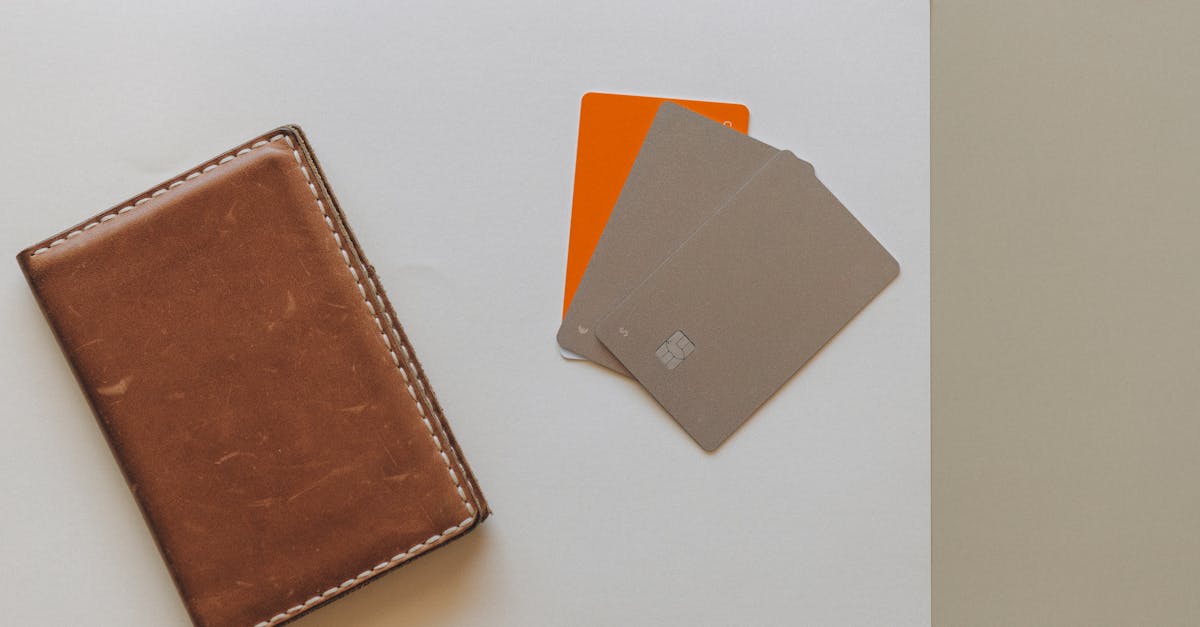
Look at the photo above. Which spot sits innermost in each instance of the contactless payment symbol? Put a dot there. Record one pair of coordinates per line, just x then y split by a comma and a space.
675, 350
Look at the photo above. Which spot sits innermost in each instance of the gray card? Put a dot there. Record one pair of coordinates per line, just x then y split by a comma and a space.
688, 167
747, 300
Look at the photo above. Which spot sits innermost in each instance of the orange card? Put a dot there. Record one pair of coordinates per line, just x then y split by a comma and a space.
611, 130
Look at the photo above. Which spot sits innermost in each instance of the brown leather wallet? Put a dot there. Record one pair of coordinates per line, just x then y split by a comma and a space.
255, 385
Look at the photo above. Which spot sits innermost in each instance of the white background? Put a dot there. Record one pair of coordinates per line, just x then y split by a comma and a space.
448, 132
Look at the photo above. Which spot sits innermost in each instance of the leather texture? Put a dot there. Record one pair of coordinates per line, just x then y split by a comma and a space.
255, 386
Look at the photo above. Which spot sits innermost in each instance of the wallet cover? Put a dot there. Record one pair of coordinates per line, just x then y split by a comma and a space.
687, 168
747, 299
255, 385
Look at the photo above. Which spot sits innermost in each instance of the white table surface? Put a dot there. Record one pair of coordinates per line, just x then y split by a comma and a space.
448, 133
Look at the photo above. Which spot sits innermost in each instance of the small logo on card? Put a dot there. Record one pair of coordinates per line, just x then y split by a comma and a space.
675, 350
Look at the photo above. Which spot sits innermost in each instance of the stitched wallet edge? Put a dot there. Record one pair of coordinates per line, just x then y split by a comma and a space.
418, 385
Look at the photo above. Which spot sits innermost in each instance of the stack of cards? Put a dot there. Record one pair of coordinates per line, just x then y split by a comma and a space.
724, 266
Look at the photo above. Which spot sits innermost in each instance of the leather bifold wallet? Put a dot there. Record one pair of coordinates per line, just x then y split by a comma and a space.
255, 385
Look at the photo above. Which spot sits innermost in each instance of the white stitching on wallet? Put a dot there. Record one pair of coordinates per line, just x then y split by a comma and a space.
416, 550
154, 194
403, 366
387, 341
424, 395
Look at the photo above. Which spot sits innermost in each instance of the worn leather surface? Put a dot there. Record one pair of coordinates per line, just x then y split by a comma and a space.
254, 385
